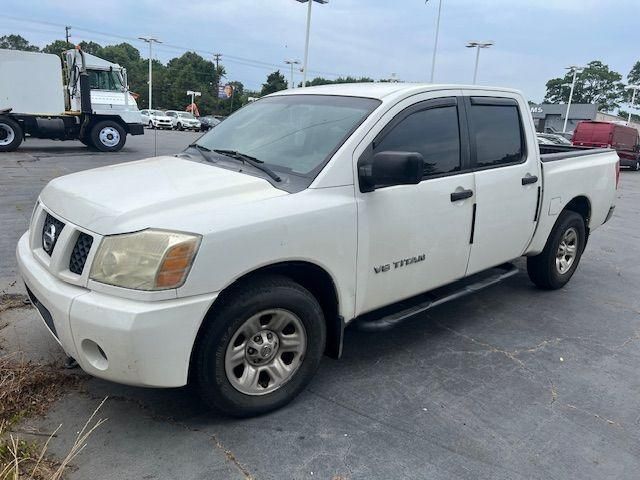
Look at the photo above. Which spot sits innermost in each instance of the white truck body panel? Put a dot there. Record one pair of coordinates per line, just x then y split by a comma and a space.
31, 83
247, 223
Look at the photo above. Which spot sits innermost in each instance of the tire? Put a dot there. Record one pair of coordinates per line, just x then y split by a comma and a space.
151, 124
179, 127
11, 134
547, 270
636, 167
108, 136
86, 139
275, 300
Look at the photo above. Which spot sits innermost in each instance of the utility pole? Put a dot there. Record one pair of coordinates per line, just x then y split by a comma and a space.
291, 63
150, 41
575, 69
435, 43
477, 46
306, 42
633, 99
66, 33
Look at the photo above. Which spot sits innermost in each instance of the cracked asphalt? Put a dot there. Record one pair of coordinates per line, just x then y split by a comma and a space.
510, 383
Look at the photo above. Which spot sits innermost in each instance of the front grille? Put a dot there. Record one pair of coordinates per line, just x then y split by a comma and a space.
80, 252
50, 233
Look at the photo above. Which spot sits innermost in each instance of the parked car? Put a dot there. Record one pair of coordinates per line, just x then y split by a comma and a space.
156, 119
622, 138
208, 122
183, 120
296, 216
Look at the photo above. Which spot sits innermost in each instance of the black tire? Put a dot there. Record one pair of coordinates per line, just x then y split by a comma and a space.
151, 125
86, 140
542, 268
235, 308
11, 134
636, 167
180, 127
109, 129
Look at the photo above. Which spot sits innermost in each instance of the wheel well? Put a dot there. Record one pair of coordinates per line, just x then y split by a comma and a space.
310, 276
582, 207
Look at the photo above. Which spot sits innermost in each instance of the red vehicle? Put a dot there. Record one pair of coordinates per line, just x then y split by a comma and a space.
621, 138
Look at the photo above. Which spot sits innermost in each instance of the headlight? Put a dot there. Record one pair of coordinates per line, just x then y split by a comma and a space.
146, 260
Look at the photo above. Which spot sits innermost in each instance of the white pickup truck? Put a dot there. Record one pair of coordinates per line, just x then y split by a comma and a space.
235, 264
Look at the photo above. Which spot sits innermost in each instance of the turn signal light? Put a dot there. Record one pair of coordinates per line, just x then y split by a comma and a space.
176, 264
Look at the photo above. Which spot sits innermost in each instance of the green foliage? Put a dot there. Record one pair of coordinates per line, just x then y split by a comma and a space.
326, 81
275, 82
57, 47
595, 84
16, 42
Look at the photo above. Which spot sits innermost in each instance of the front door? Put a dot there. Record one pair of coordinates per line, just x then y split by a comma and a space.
413, 238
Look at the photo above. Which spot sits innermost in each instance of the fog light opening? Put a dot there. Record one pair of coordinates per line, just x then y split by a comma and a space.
94, 354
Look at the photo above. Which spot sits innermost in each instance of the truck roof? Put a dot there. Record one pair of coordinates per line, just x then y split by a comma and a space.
382, 90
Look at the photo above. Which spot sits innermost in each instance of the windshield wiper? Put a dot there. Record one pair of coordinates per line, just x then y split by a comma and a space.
201, 149
253, 161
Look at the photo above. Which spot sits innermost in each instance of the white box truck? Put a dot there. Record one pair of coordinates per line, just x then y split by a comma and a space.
76, 97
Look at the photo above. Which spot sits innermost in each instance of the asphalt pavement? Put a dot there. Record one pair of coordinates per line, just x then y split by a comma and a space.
510, 383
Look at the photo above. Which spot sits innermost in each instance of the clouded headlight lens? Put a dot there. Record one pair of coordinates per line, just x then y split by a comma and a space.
146, 260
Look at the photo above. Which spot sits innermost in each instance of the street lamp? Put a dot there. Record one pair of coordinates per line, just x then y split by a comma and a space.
150, 41
435, 43
477, 46
306, 43
575, 69
291, 63
633, 98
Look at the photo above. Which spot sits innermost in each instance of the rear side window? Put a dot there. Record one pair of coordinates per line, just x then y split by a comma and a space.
434, 133
497, 133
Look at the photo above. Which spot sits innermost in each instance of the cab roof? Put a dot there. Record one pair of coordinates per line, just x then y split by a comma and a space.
382, 90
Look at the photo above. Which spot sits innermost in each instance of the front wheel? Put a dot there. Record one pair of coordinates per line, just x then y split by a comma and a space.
108, 136
261, 348
10, 134
636, 167
555, 266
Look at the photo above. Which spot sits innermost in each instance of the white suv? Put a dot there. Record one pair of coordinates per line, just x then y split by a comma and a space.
183, 120
156, 119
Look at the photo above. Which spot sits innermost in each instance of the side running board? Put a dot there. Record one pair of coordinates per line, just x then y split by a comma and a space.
388, 317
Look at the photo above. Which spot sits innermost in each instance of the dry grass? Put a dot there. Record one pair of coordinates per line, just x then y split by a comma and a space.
29, 389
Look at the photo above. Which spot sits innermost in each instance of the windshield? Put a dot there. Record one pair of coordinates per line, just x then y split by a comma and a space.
157, 113
291, 133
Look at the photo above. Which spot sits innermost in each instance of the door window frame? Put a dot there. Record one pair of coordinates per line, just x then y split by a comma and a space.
450, 101
468, 102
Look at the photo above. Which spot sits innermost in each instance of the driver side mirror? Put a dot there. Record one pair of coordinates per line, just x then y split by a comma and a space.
385, 169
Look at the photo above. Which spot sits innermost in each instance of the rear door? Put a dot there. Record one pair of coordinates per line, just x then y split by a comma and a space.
507, 177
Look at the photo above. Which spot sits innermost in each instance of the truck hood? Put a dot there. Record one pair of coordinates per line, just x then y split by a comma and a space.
157, 192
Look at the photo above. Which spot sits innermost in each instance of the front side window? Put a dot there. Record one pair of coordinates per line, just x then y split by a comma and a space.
434, 133
105, 80
498, 134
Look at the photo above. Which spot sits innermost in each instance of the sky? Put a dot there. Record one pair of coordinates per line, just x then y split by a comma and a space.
534, 39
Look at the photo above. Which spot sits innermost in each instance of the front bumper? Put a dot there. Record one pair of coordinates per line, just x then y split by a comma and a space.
144, 343
135, 128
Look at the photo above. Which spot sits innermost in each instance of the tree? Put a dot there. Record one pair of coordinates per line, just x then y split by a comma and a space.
16, 42
595, 84
57, 47
347, 79
91, 47
275, 82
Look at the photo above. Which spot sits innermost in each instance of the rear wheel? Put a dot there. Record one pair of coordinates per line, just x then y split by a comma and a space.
261, 349
180, 127
555, 266
636, 167
10, 134
108, 136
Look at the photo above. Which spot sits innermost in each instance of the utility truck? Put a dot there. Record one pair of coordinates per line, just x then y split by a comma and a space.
246, 255
77, 96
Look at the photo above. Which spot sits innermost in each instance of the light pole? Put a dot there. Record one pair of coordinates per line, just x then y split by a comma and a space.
477, 46
575, 69
150, 41
435, 43
306, 42
291, 63
633, 98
